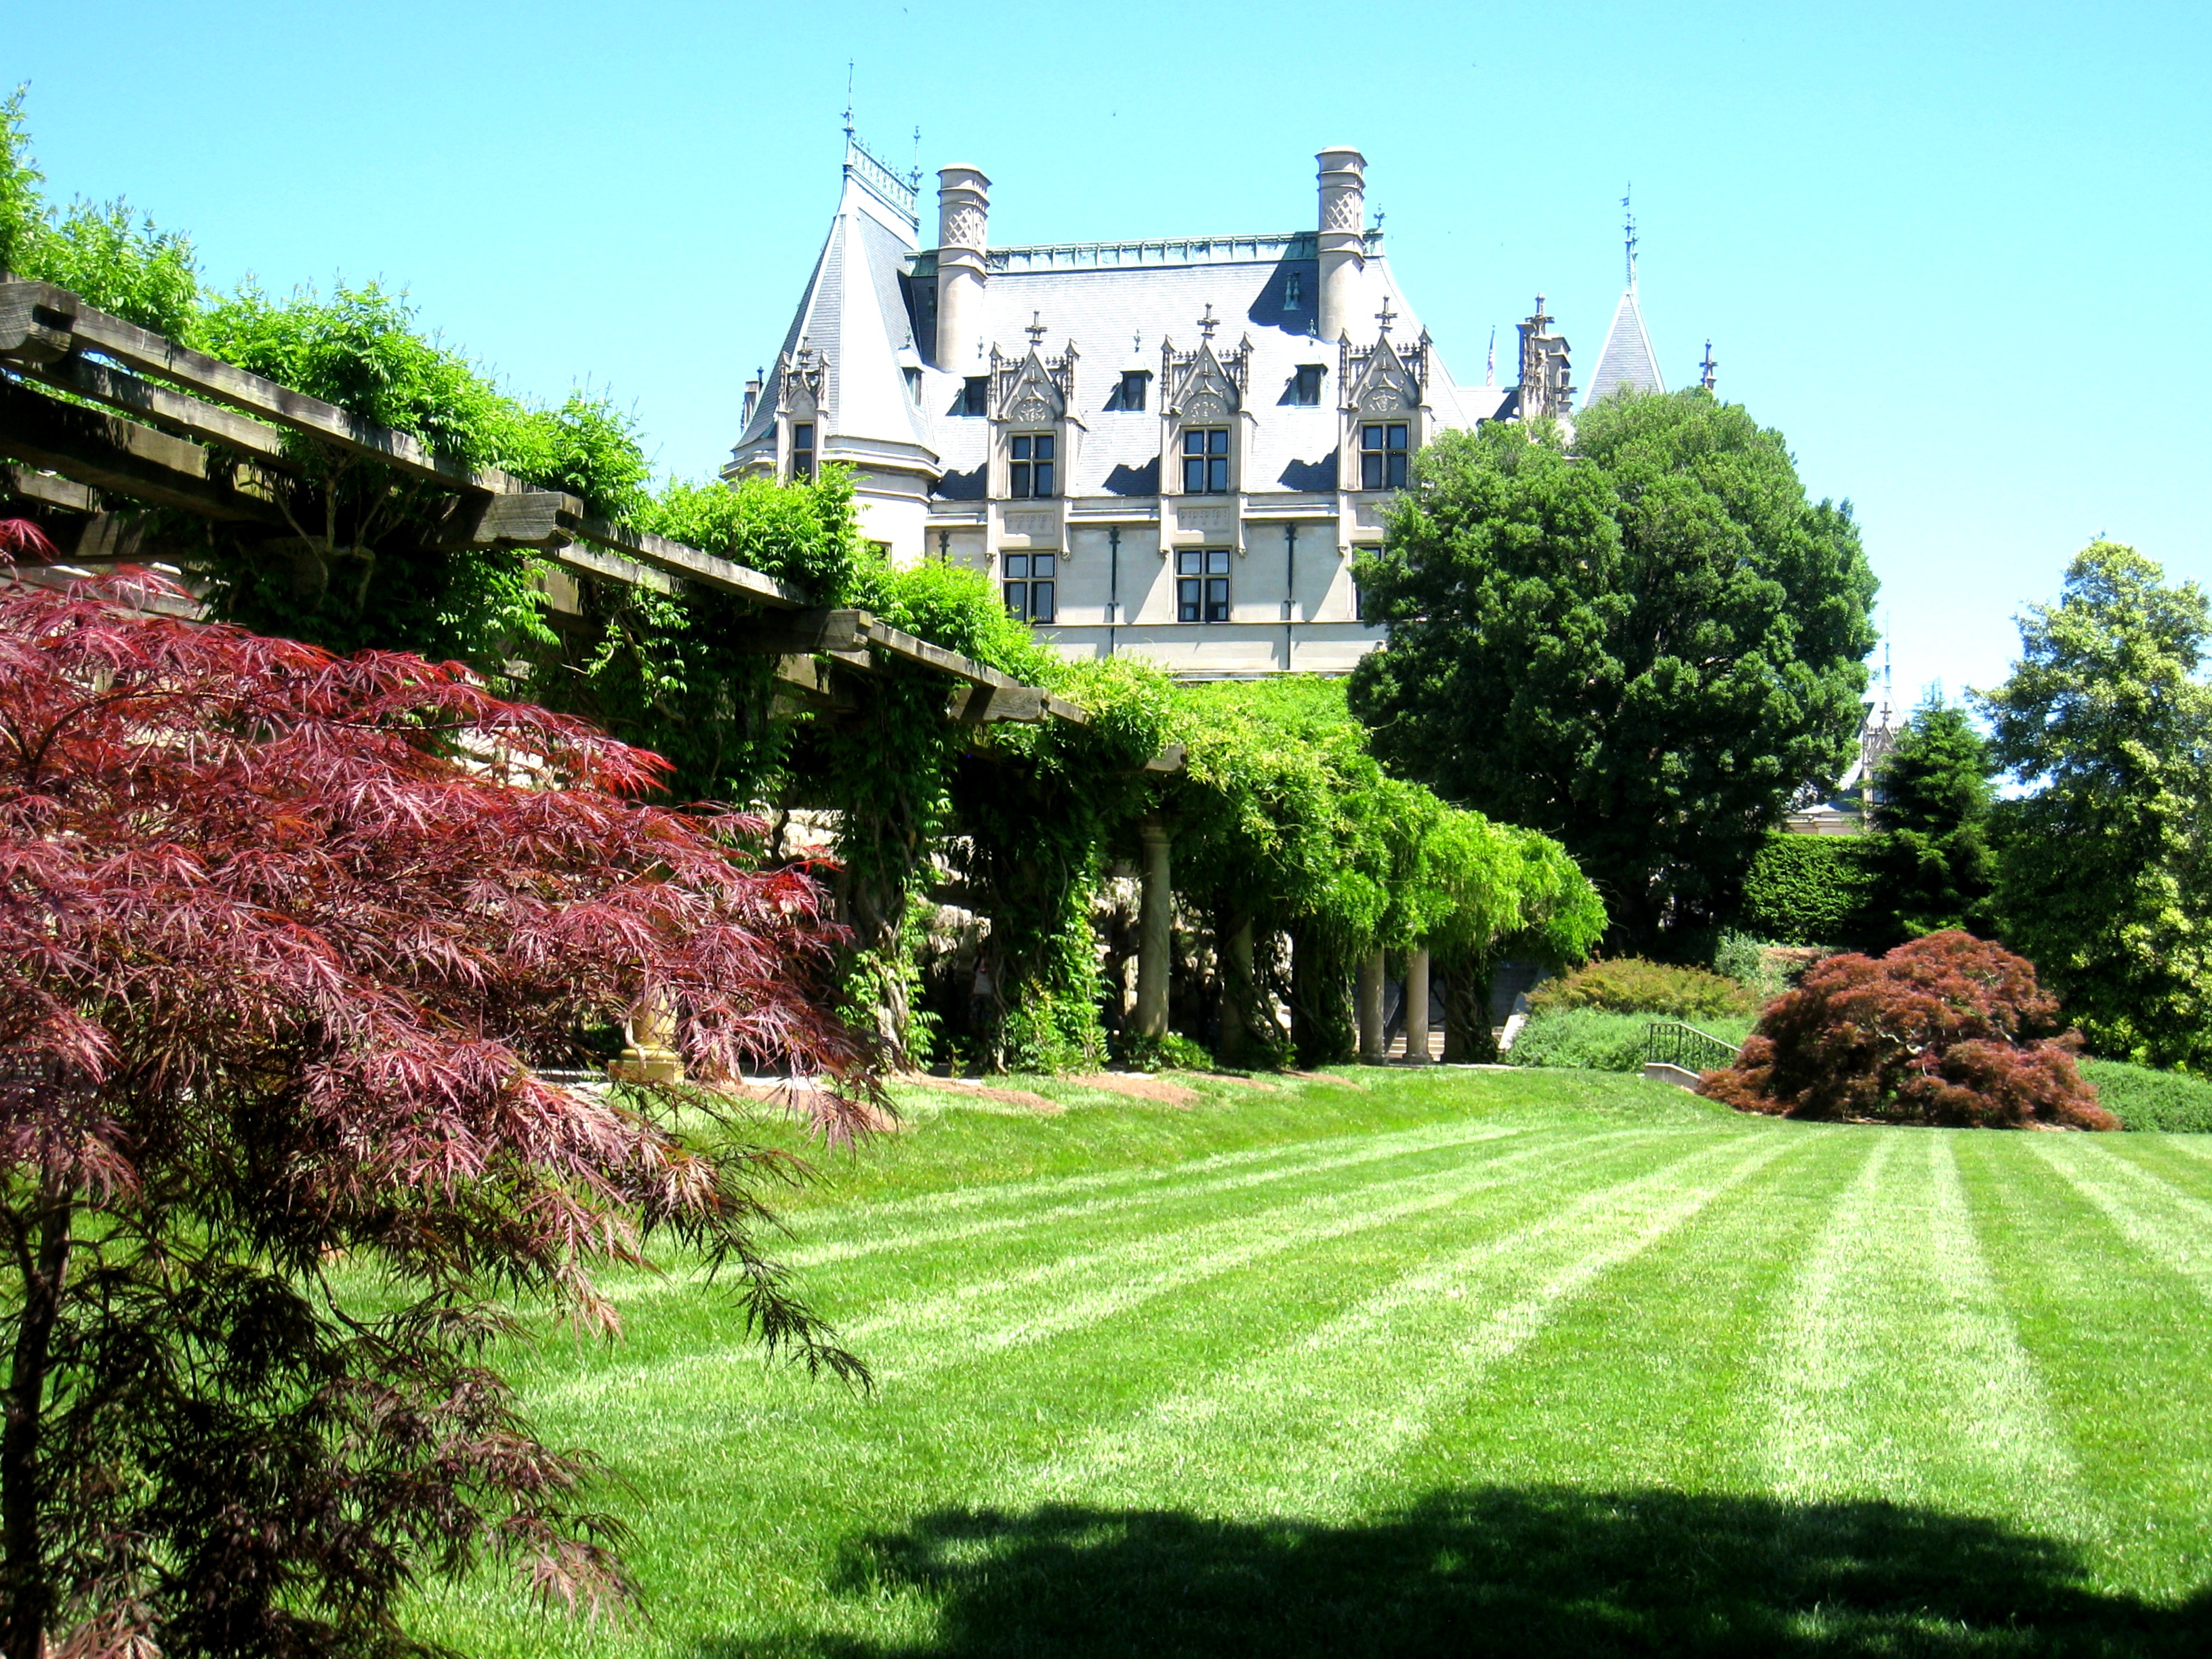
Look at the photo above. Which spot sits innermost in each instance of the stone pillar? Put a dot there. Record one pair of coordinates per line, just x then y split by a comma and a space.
1371, 1052
964, 207
1155, 937
1416, 1007
650, 1054
1342, 244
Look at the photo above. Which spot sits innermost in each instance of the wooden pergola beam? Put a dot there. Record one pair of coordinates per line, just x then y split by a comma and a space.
109, 453
148, 401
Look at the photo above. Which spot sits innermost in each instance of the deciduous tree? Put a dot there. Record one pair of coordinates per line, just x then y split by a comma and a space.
2104, 874
281, 937
1641, 645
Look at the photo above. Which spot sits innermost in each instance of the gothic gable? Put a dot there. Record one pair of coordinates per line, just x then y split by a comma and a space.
1380, 381
1029, 392
1207, 390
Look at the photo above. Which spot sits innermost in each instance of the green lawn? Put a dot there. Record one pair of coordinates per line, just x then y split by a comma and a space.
1491, 1362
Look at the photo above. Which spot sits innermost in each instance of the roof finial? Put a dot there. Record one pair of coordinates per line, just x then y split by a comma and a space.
1489, 367
1705, 375
1385, 317
1628, 231
914, 178
1035, 329
1209, 322
849, 100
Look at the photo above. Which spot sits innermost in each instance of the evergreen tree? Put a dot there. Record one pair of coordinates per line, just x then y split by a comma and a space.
1930, 863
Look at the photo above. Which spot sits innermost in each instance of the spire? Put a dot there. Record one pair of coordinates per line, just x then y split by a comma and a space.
1628, 235
1626, 359
1706, 370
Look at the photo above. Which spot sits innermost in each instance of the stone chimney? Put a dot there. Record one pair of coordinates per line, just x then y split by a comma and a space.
753, 390
964, 207
1343, 240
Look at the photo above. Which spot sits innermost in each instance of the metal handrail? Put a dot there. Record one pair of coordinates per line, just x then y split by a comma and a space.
1671, 1043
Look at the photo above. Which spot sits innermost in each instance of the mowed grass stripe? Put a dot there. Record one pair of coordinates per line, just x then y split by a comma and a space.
2123, 1346
1159, 1186
1288, 1429
1899, 1374
1641, 1382
907, 1353
1086, 1287
2153, 1215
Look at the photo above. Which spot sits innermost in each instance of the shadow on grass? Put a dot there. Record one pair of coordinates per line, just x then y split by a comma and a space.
1543, 1571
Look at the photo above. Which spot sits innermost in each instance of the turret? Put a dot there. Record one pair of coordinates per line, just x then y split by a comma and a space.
963, 206
1342, 244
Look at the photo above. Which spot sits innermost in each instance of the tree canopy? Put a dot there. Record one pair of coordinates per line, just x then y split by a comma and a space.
1642, 643
2104, 874
1929, 864
284, 936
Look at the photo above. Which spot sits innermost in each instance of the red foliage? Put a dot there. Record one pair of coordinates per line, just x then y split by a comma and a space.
280, 936
1948, 1030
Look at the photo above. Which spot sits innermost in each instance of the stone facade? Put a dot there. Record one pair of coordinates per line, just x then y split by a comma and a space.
1170, 448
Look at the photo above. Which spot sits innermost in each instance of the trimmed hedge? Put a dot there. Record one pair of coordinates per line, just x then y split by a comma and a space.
1809, 889
1630, 985
2145, 1099
1598, 1040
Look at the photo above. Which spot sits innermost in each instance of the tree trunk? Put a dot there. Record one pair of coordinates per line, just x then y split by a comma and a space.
1321, 1010
30, 1593
1155, 937
1240, 992
1373, 1044
1468, 1039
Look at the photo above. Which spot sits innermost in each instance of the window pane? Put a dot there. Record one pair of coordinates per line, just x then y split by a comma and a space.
1045, 477
1217, 443
1193, 443
1018, 599
1370, 471
973, 394
1398, 470
1017, 564
1397, 437
1370, 437
1193, 475
1044, 445
1216, 598
1187, 600
802, 437
1040, 601
1216, 475
1020, 479
1021, 449
1040, 564
1190, 564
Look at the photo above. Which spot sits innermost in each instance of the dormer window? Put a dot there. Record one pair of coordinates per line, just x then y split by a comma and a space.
1382, 456
1030, 467
1128, 396
975, 395
1206, 460
914, 386
1292, 293
802, 449
1305, 386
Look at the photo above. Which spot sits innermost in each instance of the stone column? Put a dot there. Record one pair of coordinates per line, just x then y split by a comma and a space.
1416, 1007
1155, 938
1371, 1051
1235, 951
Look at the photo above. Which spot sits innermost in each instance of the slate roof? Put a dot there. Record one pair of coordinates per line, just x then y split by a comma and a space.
1627, 358
1113, 303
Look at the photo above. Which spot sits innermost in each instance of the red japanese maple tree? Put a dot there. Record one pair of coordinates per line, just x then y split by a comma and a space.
282, 938
1947, 1030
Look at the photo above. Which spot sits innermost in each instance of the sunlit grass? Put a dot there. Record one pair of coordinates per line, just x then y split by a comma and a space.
1455, 1361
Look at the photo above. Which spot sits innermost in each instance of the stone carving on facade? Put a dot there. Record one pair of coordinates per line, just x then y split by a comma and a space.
1201, 387
1030, 389
800, 376
1546, 378
1384, 378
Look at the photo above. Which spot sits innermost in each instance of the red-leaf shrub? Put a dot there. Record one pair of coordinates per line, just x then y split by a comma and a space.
1948, 1030
278, 933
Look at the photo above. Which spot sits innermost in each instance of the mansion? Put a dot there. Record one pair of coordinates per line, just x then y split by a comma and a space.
1173, 449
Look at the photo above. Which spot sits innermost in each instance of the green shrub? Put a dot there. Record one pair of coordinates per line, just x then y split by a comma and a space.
1630, 985
1750, 962
1809, 889
2145, 1099
1599, 1041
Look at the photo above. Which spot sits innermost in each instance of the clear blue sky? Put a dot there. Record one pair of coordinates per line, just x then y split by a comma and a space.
1958, 253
